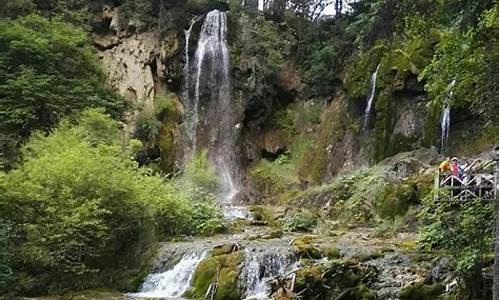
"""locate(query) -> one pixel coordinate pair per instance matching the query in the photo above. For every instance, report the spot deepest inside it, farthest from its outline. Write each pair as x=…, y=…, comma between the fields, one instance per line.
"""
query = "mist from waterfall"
x=209, y=109
x=369, y=104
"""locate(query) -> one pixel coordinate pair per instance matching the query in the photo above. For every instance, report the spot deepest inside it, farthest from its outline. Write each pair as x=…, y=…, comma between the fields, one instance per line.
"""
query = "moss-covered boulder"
x=340, y=279
x=167, y=109
x=337, y=145
x=222, y=268
x=359, y=292
x=421, y=291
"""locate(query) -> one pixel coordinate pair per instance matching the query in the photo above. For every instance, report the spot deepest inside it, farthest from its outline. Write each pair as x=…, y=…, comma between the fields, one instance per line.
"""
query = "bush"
x=78, y=204
x=48, y=71
x=303, y=220
x=201, y=174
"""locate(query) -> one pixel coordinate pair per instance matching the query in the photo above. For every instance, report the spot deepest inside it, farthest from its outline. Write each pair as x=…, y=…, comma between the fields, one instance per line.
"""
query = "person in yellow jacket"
x=445, y=166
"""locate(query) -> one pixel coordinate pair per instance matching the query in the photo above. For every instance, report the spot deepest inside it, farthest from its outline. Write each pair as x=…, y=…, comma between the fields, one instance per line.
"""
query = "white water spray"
x=369, y=105
x=259, y=269
x=172, y=283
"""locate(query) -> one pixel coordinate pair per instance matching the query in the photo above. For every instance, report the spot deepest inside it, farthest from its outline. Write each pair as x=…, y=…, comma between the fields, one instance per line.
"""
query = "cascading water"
x=191, y=116
x=210, y=111
x=369, y=105
x=446, y=118
x=445, y=126
x=172, y=283
x=259, y=268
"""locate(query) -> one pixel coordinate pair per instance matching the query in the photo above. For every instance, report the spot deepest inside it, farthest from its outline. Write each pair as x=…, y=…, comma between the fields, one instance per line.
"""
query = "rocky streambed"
x=262, y=263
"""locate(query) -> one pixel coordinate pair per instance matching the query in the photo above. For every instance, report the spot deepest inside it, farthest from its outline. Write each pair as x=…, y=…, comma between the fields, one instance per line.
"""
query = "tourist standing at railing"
x=454, y=166
x=445, y=166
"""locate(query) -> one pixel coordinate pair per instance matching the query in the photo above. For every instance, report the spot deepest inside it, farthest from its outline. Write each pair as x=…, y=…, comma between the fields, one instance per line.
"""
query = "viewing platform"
x=469, y=186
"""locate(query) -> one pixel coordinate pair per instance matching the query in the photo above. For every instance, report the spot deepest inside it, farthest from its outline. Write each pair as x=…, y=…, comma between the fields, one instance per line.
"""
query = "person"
x=445, y=166
x=454, y=166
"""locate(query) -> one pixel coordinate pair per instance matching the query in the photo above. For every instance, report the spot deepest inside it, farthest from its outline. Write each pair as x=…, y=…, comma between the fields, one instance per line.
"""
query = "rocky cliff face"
x=136, y=62
x=324, y=136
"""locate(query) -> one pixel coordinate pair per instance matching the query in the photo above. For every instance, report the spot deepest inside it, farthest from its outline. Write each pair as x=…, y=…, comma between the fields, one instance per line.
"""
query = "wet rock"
x=222, y=270
x=421, y=291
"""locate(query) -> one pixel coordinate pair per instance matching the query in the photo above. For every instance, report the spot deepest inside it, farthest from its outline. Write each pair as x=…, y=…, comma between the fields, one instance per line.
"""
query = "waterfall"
x=172, y=283
x=210, y=111
x=445, y=126
x=259, y=268
x=446, y=118
x=369, y=105
x=191, y=116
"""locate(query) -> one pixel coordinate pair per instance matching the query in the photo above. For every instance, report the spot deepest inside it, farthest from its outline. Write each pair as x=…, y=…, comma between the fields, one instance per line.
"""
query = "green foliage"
x=302, y=220
x=5, y=253
x=147, y=127
x=200, y=173
x=470, y=59
x=78, y=204
x=14, y=8
x=465, y=230
x=47, y=71
x=97, y=127
x=136, y=13
x=274, y=177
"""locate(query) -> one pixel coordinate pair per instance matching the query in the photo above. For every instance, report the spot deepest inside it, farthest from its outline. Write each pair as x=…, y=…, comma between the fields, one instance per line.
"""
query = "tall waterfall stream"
x=369, y=104
x=210, y=108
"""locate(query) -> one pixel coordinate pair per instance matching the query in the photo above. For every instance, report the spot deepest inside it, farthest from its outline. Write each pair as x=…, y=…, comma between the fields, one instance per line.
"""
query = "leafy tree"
x=470, y=60
x=79, y=203
x=47, y=70
x=465, y=231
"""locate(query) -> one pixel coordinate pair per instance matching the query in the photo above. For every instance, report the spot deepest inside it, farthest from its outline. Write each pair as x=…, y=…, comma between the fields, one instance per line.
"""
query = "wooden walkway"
x=470, y=186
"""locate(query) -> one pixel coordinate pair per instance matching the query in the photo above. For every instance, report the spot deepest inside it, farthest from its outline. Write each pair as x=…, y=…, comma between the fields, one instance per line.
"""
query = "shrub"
x=47, y=72
x=200, y=173
x=303, y=220
x=78, y=204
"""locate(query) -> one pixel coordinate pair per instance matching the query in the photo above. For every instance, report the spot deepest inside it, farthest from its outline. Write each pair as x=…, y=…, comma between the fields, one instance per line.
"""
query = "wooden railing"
x=469, y=186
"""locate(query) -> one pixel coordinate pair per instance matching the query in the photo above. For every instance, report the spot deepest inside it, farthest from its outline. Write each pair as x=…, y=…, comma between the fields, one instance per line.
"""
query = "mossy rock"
x=421, y=291
x=323, y=161
x=137, y=280
x=224, y=268
x=359, y=292
x=306, y=249
x=349, y=273
x=263, y=214
x=331, y=252
x=223, y=249
x=311, y=279
x=395, y=200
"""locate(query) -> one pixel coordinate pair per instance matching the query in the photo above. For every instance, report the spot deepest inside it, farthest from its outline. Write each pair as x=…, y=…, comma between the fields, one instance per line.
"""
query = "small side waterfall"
x=210, y=112
x=445, y=126
x=172, y=283
x=191, y=116
x=446, y=118
x=369, y=104
x=259, y=268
